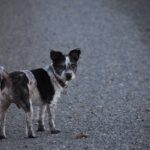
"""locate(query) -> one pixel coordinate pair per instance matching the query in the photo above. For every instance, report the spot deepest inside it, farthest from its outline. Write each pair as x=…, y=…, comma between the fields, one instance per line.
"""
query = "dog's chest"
x=58, y=90
x=55, y=98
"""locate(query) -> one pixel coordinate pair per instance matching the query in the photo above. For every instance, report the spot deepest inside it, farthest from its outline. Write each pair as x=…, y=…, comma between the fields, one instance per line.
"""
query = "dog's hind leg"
x=29, y=124
x=51, y=117
x=5, y=83
x=3, y=108
x=41, y=117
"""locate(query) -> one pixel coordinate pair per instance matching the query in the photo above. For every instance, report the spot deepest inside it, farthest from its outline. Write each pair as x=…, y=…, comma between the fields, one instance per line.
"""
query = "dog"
x=40, y=87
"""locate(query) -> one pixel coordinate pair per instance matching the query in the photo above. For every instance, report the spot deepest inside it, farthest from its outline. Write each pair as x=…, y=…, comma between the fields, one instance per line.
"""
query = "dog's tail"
x=4, y=78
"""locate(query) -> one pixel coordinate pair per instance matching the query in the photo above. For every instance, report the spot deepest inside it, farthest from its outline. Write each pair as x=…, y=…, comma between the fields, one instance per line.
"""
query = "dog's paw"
x=32, y=136
x=41, y=129
x=2, y=137
x=55, y=131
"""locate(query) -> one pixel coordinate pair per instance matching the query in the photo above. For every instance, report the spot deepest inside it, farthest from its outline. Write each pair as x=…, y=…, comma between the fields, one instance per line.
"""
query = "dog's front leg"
x=29, y=125
x=51, y=118
x=41, y=117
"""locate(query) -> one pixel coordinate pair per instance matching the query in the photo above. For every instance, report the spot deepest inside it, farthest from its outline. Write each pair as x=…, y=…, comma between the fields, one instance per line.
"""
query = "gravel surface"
x=107, y=107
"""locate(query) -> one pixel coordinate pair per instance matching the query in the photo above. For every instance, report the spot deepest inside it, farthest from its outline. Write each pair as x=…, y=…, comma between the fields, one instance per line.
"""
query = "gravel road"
x=109, y=101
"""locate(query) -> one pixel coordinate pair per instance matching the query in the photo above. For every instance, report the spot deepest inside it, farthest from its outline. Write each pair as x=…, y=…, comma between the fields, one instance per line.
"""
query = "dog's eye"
x=73, y=65
x=61, y=66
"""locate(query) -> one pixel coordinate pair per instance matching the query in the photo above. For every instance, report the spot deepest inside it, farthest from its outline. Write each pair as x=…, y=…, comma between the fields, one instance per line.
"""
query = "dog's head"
x=65, y=66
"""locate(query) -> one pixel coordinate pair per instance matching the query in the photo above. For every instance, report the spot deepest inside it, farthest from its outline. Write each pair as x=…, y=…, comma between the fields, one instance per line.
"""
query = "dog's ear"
x=75, y=54
x=55, y=55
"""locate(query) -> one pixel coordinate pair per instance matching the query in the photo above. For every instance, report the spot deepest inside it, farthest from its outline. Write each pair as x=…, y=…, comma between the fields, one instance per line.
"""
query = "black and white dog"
x=41, y=87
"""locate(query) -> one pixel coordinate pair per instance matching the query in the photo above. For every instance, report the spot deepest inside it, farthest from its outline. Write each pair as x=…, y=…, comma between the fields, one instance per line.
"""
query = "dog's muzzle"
x=68, y=76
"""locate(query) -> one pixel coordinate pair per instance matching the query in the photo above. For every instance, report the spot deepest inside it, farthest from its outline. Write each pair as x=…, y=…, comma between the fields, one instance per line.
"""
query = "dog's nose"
x=68, y=76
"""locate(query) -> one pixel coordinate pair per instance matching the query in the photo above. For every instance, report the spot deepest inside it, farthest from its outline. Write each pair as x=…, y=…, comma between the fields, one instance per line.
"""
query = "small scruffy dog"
x=41, y=87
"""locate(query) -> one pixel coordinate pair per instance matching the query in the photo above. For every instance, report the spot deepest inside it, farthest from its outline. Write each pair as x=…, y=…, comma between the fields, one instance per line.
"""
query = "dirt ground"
x=109, y=101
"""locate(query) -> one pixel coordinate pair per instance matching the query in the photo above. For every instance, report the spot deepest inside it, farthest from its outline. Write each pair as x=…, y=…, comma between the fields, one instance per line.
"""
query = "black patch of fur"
x=58, y=61
x=74, y=55
x=57, y=57
x=20, y=90
x=2, y=83
x=44, y=85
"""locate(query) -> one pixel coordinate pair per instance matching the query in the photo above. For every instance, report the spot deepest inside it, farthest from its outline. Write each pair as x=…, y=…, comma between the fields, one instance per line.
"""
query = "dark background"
x=110, y=98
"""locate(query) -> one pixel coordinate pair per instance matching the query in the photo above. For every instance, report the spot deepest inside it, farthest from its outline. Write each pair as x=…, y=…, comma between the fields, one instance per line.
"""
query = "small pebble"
x=80, y=136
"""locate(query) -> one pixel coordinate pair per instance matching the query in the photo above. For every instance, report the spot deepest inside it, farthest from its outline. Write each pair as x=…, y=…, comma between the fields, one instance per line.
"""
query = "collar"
x=60, y=81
